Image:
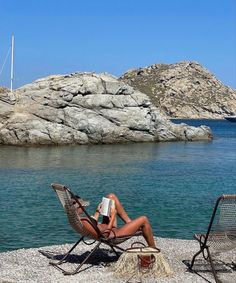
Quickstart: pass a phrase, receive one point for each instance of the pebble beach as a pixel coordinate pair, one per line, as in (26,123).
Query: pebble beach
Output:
(32,265)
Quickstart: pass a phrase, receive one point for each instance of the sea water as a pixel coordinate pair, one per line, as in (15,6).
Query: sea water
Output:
(175,184)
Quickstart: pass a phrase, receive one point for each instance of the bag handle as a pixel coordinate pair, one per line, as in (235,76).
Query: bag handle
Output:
(142,245)
(137,243)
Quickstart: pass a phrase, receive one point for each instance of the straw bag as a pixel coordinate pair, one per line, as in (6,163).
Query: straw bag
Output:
(140,261)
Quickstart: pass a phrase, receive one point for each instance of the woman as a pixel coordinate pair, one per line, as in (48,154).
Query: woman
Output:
(109,224)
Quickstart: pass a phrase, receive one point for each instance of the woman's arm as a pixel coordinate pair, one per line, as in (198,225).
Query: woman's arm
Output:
(97,212)
(96,215)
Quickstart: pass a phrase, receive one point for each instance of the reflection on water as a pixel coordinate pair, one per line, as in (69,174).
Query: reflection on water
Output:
(174,184)
(92,157)
(84,157)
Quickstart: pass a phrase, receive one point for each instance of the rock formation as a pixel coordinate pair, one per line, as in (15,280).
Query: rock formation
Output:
(183,90)
(85,108)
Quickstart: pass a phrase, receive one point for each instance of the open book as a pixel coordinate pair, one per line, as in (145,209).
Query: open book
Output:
(106,206)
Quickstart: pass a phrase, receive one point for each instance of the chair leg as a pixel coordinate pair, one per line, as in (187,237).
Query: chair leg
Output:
(194,257)
(66,255)
(114,250)
(119,248)
(81,264)
(211,262)
(213,267)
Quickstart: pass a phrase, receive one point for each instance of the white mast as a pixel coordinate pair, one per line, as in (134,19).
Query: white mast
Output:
(12,61)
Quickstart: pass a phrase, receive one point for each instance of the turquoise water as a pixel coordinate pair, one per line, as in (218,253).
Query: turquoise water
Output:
(174,184)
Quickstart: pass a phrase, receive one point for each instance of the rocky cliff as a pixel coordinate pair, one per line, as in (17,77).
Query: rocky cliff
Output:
(85,108)
(183,90)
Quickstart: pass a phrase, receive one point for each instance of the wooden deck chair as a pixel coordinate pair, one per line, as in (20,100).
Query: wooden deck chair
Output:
(221,233)
(67,199)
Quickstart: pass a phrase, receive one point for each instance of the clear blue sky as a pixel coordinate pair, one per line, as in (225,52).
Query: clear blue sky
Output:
(59,36)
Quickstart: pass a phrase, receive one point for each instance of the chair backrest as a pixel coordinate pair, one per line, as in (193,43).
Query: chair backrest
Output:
(227,217)
(222,227)
(67,199)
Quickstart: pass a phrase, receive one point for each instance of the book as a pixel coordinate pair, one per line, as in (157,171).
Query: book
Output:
(106,206)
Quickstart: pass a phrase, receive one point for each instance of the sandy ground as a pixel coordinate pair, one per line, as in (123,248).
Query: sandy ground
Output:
(29,265)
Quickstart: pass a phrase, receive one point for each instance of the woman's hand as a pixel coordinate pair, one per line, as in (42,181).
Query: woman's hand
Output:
(99,207)
(97,212)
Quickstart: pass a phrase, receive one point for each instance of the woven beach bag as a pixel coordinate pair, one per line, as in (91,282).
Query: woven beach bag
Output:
(140,261)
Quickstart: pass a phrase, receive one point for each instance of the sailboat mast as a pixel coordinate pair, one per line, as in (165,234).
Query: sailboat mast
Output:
(12,61)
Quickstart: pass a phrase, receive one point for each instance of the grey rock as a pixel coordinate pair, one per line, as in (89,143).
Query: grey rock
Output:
(183,90)
(83,108)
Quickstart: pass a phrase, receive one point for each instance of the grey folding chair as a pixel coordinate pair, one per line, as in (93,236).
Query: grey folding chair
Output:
(221,233)
(68,199)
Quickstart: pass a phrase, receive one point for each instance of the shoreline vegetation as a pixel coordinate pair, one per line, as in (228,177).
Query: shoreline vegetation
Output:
(32,266)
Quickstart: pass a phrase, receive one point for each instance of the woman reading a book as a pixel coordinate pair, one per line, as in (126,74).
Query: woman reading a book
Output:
(109,223)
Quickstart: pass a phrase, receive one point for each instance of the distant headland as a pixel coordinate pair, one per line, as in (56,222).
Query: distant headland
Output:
(184,90)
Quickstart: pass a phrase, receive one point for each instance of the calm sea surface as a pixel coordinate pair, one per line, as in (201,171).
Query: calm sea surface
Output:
(175,184)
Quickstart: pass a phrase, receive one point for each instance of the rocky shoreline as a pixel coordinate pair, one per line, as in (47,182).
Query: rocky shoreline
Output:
(31,266)
(86,108)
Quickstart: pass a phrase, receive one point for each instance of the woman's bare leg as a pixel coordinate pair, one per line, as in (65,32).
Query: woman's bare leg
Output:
(133,226)
(119,208)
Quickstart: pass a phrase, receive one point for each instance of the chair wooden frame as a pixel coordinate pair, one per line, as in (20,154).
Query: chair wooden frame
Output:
(66,196)
(223,237)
